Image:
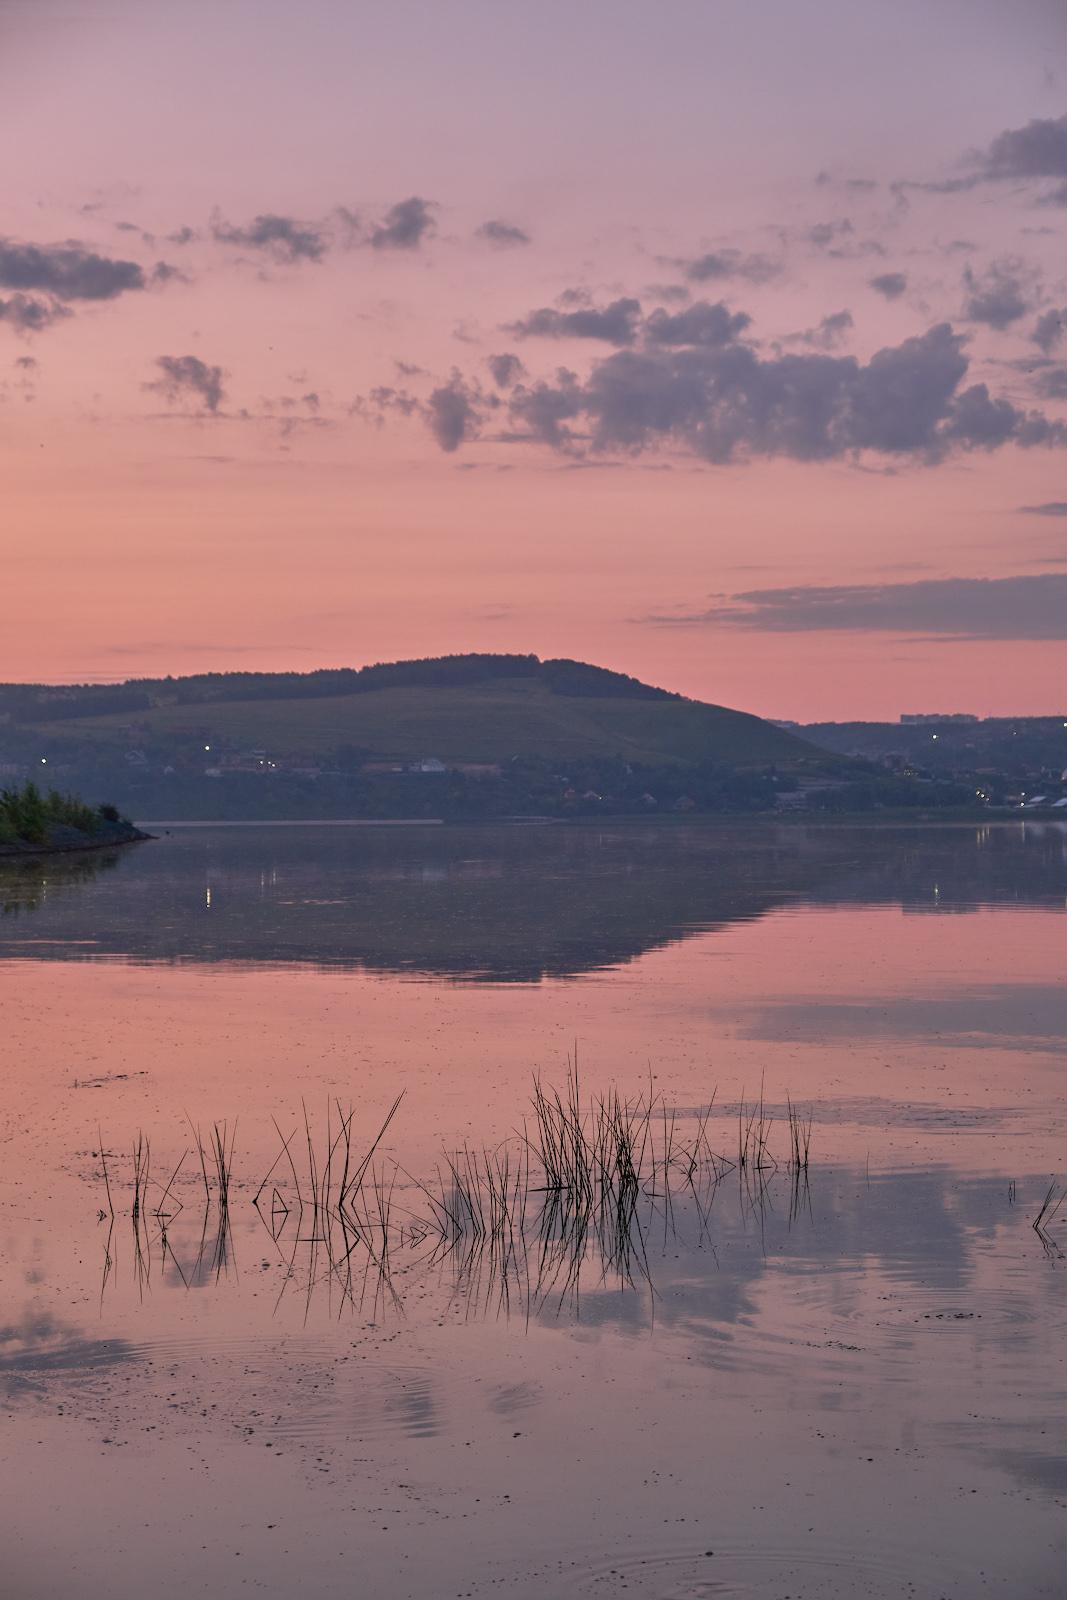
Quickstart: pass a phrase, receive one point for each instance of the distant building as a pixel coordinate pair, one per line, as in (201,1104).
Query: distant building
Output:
(918,719)
(428,764)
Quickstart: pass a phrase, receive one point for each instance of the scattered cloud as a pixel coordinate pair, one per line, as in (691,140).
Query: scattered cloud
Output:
(730,404)
(891,285)
(1016,608)
(999,297)
(504,234)
(720,265)
(1051,383)
(189,378)
(404,226)
(823,234)
(831,332)
(1038,150)
(282,238)
(27,314)
(702,323)
(1049,329)
(506,370)
(66,271)
(452,413)
(616,323)
(1050,508)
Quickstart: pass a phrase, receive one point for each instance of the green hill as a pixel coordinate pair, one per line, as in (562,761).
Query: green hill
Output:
(459,709)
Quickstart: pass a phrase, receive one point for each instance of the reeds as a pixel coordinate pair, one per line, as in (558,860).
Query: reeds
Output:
(576,1193)
(1046,1216)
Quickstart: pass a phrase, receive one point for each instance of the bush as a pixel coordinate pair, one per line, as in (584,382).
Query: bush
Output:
(27,816)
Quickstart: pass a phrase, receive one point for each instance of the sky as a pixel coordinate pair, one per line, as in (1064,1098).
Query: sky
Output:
(724,344)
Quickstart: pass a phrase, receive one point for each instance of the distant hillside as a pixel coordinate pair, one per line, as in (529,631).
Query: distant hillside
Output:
(474,708)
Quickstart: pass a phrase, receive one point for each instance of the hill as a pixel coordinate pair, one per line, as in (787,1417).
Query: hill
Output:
(458,709)
(452,737)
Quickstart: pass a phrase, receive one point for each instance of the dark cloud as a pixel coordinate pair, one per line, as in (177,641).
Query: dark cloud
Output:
(823,234)
(404,226)
(1032,607)
(163,272)
(730,403)
(1039,150)
(890,284)
(375,406)
(26,314)
(453,414)
(826,180)
(999,297)
(283,238)
(1049,329)
(183,235)
(616,323)
(187,377)
(1051,383)
(702,323)
(1050,508)
(719,265)
(506,369)
(502,233)
(1055,197)
(831,331)
(66,271)
(26,363)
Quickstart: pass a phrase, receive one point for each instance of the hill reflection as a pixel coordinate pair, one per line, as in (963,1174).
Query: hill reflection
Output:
(496,904)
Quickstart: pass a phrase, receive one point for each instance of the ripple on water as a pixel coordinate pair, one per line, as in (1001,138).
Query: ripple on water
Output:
(826,1569)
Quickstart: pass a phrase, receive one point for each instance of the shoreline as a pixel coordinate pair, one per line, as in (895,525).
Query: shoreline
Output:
(813,819)
(67,847)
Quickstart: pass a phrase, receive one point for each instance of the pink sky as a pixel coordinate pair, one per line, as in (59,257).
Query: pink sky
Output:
(164,516)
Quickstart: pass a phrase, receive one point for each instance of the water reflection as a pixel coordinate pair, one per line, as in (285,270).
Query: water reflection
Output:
(498,904)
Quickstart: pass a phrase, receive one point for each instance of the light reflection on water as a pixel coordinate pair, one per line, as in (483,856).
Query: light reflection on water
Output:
(853,1385)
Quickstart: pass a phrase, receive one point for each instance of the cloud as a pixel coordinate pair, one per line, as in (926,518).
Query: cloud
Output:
(66,271)
(283,238)
(506,369)
(999,297)
(375,406)
(823,234)
(831,331)
(452,413)
(1049,329)
(505,234)
(1050,508)
(187,377)
(889,284)
(719,265)
(1039,150)
(26,314)
(163,272)
(404,226)
(616,323)
(731,404)
(1051,383)
(1017,608)
(702,323)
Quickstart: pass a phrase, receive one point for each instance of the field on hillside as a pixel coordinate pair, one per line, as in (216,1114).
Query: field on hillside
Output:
(482,722)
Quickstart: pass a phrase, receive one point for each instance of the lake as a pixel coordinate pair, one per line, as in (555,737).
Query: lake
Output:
(536,1211)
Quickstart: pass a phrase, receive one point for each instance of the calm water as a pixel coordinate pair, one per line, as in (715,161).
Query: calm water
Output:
(849,1380)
